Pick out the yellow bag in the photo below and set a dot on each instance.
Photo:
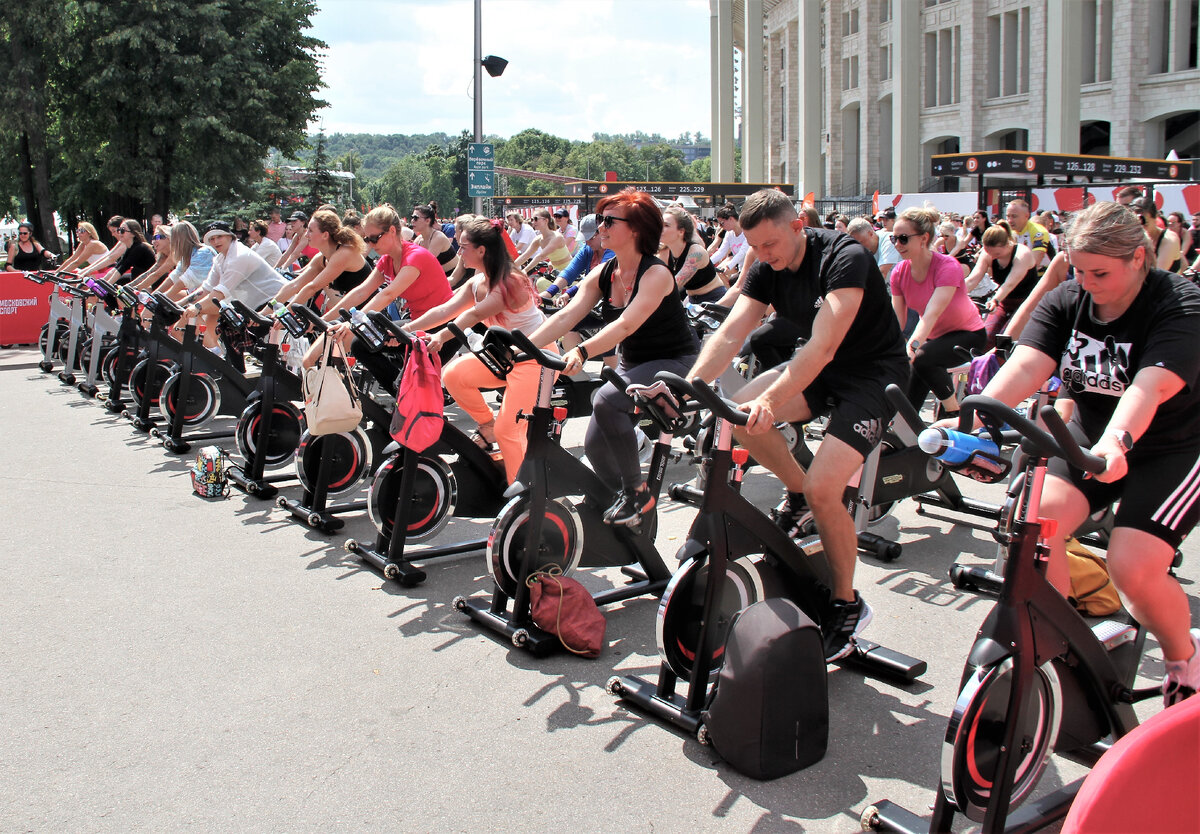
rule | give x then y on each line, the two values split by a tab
1092	591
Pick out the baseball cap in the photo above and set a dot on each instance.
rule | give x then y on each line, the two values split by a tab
299	215
587	227
562	212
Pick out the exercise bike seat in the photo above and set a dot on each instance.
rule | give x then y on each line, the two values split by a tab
1147	781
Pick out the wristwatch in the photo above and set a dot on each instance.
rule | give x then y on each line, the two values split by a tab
1124	439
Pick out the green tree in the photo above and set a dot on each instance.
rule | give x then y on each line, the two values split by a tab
166	99
322	186
27	124
403	183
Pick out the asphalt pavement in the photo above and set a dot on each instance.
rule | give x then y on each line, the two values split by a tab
172	663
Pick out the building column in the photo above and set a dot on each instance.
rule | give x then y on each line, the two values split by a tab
1064	75
906	100
721	40
808	87
753	93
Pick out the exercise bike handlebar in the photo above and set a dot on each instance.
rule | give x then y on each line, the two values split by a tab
701	392
386	325
516	340
1057	442
310	316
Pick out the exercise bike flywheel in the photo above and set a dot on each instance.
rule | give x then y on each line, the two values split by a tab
976	732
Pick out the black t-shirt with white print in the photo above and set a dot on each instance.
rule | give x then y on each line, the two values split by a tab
1098	360
834	261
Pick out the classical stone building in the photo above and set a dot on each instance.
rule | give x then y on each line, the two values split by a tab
844	97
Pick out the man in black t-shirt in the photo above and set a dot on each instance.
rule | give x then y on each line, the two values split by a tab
826	285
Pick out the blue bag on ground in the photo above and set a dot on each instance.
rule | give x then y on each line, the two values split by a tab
768	714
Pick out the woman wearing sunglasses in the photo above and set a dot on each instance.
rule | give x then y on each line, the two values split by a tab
645	321
1012	267
164	260
138	257
405	272
114	254
87	251
25	254
931	283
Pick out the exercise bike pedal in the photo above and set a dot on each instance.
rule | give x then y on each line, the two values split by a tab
885	662
1112	633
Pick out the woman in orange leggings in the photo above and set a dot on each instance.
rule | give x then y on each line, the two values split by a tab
497	295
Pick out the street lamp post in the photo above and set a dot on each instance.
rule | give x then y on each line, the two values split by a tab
495	67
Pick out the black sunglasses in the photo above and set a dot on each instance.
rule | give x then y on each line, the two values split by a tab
904	239
159	237
371	240
606	220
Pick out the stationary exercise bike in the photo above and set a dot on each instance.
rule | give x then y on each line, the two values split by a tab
1038	678
542	525
414	494
334	464
734	556
269	429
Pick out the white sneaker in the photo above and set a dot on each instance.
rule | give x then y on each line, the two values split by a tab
1183	676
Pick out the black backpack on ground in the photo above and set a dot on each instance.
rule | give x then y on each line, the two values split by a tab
769	710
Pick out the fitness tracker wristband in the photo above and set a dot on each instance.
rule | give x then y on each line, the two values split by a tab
1124	439
582	351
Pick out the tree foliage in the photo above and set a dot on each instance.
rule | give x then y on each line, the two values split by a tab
153	103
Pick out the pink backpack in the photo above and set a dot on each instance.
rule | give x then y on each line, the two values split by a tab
418	419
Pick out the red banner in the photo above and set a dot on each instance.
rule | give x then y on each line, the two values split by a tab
24	308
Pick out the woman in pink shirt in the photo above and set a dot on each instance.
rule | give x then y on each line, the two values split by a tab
405	272
932	284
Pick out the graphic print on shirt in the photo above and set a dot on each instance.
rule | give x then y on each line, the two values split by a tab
1099	367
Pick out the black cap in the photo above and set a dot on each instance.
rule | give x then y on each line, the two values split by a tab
219	227
1145	204
561	213
299	215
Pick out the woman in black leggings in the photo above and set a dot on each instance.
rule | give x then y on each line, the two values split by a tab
645	320
932	284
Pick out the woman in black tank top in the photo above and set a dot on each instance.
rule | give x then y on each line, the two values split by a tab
687	259
340	267
645	320
1014	269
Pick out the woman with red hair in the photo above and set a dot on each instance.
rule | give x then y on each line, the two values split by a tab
644	320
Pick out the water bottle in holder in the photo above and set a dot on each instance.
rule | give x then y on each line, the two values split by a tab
972	455
365	329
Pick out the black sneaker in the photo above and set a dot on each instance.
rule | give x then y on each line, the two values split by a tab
629	508
844	621
793	515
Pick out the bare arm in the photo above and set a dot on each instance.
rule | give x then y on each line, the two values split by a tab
722	346
1055	275
982	265
830	326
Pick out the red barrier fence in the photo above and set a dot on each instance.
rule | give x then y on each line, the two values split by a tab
24	308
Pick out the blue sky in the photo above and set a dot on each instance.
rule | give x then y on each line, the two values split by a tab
575	66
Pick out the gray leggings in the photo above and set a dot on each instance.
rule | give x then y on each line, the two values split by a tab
611	443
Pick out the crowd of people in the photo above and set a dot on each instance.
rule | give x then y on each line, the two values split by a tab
836	309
